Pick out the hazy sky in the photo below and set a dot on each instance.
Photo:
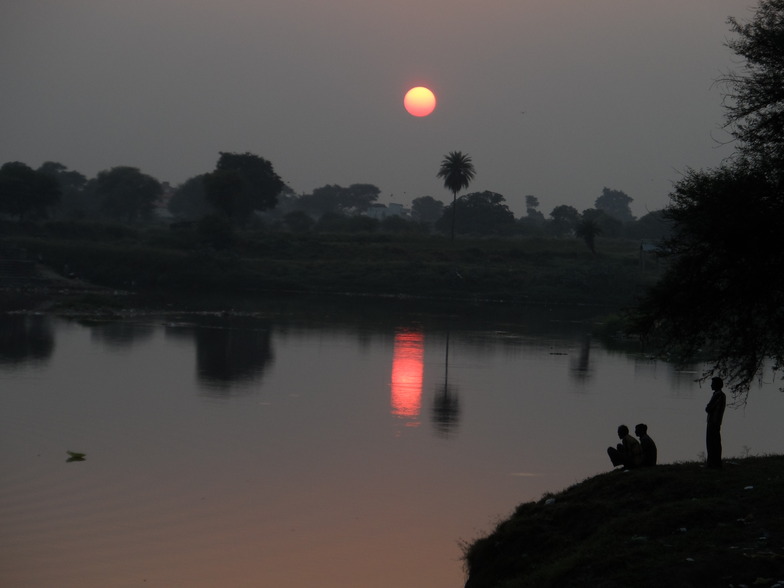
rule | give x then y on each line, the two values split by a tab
555	98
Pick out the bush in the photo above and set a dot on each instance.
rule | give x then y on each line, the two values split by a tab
216	231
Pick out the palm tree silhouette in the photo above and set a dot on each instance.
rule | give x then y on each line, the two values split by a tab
457	170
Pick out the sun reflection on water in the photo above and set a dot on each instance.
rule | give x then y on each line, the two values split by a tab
407	369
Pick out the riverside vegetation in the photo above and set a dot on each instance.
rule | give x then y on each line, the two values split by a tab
475	271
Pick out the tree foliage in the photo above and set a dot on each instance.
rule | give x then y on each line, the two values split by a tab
754	96
481	213
457	170
564	220
26	193
125	193
189	200
72	203
426	209
615	203
723	294
241	184
333	198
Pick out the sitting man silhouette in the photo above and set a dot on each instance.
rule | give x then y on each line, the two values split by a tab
628	452
648	446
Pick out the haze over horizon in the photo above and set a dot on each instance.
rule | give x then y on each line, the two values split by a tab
557	99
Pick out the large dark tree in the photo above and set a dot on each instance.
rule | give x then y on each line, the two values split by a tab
482	213
26	193
125	193
754	96
457	171
565	219
723	294
241	184
73	203
426	209
615	203
189	200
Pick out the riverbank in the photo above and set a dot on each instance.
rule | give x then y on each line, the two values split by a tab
467	271
676	525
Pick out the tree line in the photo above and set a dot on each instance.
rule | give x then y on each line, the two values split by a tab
244	191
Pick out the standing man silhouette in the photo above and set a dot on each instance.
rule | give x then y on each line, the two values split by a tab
715	410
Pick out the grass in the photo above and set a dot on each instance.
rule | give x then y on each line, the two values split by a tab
513	270
678	525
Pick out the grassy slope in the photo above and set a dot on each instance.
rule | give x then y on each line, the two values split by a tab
510	270
678	525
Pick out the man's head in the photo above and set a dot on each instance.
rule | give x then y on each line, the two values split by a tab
623	430
717	384
641	429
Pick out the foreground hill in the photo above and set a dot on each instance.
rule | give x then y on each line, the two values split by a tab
678	525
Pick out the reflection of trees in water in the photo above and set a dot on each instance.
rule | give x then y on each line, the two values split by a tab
446	403
25	338
119	334
581	367
232	351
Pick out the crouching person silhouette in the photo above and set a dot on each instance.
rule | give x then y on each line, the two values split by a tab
628	452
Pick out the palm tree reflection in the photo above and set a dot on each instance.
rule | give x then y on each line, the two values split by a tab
446	404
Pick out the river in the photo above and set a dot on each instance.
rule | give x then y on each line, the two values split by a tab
312	448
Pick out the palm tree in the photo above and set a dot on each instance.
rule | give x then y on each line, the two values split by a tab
457	172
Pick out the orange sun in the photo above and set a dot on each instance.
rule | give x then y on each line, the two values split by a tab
419	101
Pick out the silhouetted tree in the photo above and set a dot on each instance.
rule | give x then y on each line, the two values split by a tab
426	209
588	229
533	221
241	184
754	97
25	192
189	200
457	171
564	220
609	226
482	213
615	203
723	291
355	199
73	202
125	193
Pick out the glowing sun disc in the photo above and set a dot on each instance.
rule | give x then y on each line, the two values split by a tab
419	101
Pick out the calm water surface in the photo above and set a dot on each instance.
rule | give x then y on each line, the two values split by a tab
266	450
